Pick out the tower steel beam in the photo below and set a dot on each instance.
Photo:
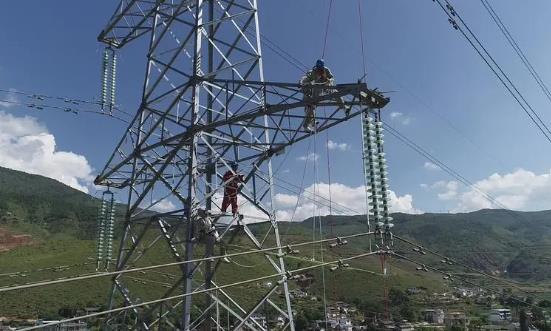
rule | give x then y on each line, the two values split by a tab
205	105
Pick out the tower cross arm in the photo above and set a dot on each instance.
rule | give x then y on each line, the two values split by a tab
362	95
134	18
286	99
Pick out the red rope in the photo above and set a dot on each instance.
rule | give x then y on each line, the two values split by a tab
385	285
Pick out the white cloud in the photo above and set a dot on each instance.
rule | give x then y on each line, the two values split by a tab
430	166
338	146
446	190
312	157
519	190
345	200
9	99
400	117
282	200
164	206
402	204
26	145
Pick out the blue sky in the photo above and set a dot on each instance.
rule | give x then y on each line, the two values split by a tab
445	98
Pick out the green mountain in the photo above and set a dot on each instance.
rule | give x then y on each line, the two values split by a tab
45	206
502	242
507	243
62	223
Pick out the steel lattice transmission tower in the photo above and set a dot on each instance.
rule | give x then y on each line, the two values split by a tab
205	103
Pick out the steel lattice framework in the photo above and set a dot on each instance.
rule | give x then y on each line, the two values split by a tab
205	104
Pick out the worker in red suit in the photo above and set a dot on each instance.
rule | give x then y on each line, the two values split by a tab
232	180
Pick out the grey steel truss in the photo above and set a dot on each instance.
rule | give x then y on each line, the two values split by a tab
205	104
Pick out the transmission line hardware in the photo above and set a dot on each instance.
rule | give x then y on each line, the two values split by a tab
376	174
108	79
105	230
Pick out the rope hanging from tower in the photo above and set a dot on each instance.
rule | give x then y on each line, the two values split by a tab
326	28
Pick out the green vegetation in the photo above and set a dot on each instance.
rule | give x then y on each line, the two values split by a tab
507	243
43	206
62	222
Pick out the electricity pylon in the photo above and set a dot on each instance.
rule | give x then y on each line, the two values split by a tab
205	105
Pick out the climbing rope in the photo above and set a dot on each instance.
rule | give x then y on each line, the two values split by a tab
301	190
326	28
328	170
362	36
320	228
314	161
332	221
384	271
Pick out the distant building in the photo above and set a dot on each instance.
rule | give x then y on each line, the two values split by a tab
260	319
404	326
500	316
90	310
387	325
68	326
463	292
433	316
414	290
305	280
298	294
458	319
509	327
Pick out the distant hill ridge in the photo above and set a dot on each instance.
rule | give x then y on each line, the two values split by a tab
499	241
45	203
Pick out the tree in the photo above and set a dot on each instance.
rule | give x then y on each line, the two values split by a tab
523	319
408	313
537	315
301	323
313	314
397	297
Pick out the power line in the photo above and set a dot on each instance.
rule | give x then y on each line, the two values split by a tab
287	275
72	109
505	31
452	173
449	170
450	277
417	148
441	165
278	50
466	266
54	268
439	115
481	50
326	203
114	273
41	97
